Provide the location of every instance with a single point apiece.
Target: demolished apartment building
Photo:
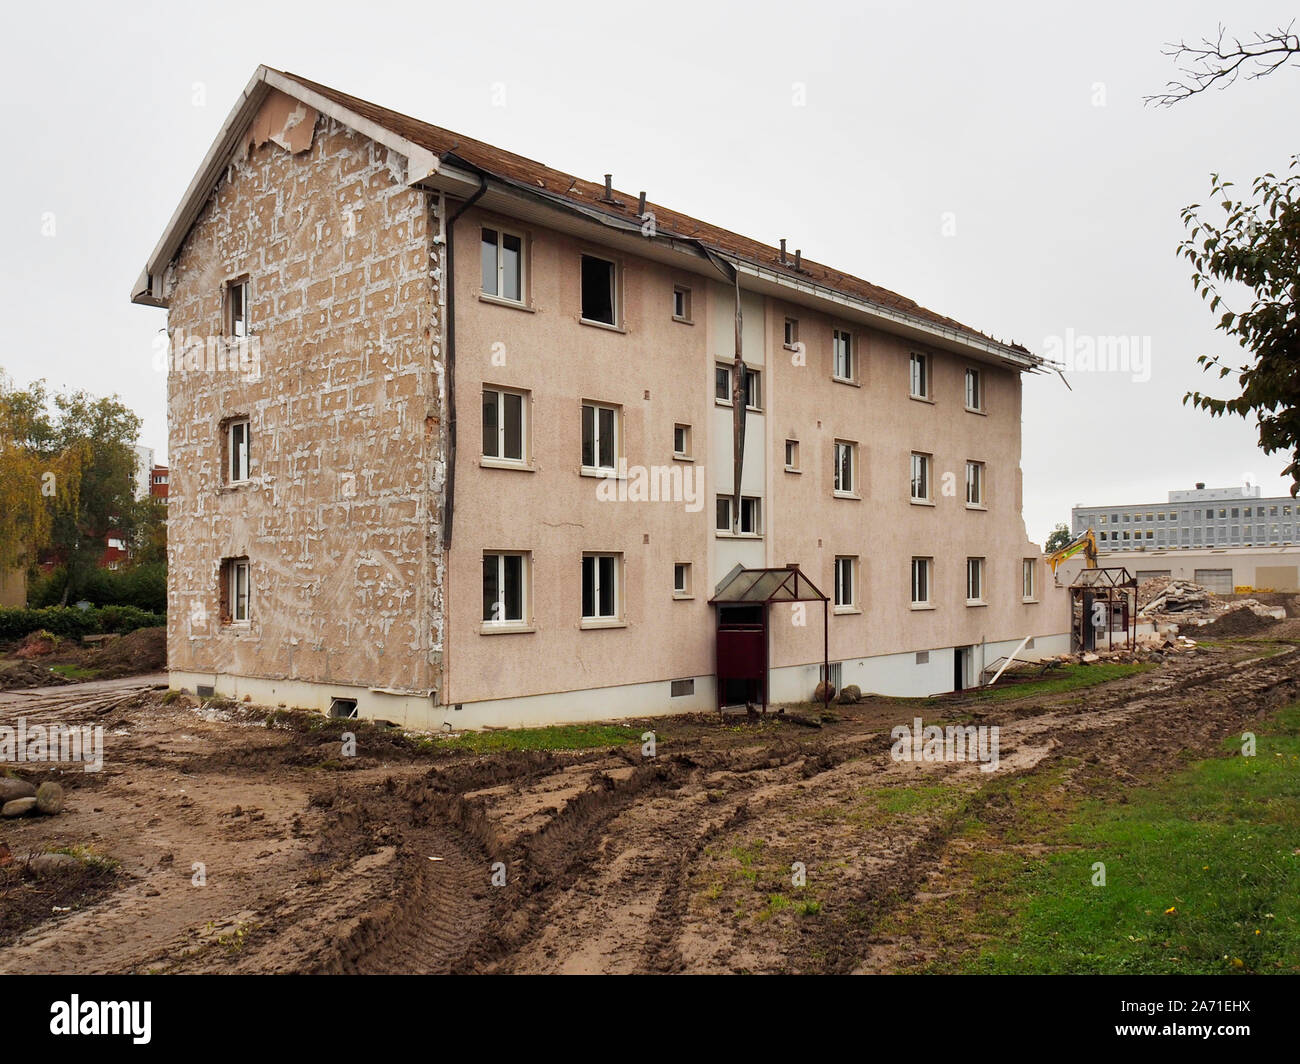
(427, 480)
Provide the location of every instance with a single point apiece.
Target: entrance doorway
(960, 668)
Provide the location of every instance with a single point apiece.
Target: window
(682, 580)
(598, 297)
(722, 378)
(236, 591)
(920, 384)
(681, 303)
(1028, 570)
(503, 265)
(750, 515)
(600, 587)
(845, 460)
(921, 581)
(792, 456)
(974, 483)
(722, 383)
(503, 588)
(974, 579)
(681, 441)
(237, 309)
(504, 435)
(237, 447)
(843, 348)
(791, 333)
(920, 477)
(974, 390)
(599, 436)
(753, 389)
(845, 583)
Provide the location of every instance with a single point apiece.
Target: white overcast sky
(1066, 213)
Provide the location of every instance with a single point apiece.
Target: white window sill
(737, 535)
(679, 596)
(235, 485)
(846, 495)
(597, 622)
(793, 469)
(502, 301)
(922, 502)
(921, 399)
(846, 380)
(511, 628)
(922, 605)
(1029, 601)
(976, 506)
(602, 325)
(721, 402)
(682, 321)
(840, 611)
(977, 410)
(682, 458)
(600, 472)
(976, 602)
(791, 347)
(506, 463)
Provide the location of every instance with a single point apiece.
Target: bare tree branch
(1218, 63)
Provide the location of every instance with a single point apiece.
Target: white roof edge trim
(420, 163)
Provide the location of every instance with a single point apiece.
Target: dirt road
(243, 844)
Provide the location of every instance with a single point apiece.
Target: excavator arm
(1087, 543)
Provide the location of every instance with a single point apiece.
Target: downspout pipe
(449, 496)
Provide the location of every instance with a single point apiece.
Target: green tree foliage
(1248, 255)
(1059, 538)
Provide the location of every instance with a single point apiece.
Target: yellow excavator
(1087, 542)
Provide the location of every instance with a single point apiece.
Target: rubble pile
(1191, 605)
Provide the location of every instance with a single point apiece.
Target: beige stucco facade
(358, 590)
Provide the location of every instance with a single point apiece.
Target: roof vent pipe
(783, 251)
(640, 206)
(1200, 485)
(798, 258)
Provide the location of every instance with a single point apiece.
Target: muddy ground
(36, 661)
(224, 840)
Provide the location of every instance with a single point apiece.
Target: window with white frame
(236, 310)
(920, 477)
(974, 389)
(599, 290)
(974, 483)
(599, 437)
(723, 376)
(753, 389)
(921, 569)
(1028, 578)
(505, 428)
(722, 382)
(238, 444)
(600, 587)
(681, 441)
(974, 579)
(682, 580)
(843, 349)
(846, 455)
(791, 456)
(920, 379)
(505, 592)
(236, 591)
(791, 333)
(503, 264)
(681, 303)
(750, 515)
(846, 582)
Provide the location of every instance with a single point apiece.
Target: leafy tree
(1252, 252)
(149, 541)
(1059, 537)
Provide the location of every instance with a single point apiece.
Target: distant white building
(143, 470)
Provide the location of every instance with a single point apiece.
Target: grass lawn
(556, 737)
(1202, 875)
(74, 672)
(1066, 678)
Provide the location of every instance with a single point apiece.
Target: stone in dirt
(11, 789)
(44, 864)
(49, 798)
(18, 807)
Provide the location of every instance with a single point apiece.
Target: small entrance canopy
(742, 644)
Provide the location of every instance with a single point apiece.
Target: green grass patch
(1066, 678)
(74, 672)
(556, 737)
(1202, 876)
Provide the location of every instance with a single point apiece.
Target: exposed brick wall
(347, 436)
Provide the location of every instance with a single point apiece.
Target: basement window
(235, 591)
(599, 303)
(679, 688)
(343, 708)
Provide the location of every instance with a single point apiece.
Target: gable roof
(428, 148)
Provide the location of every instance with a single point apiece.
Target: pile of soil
(37, 645)
(1235, 622)
(144, 650)
(18, 674)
